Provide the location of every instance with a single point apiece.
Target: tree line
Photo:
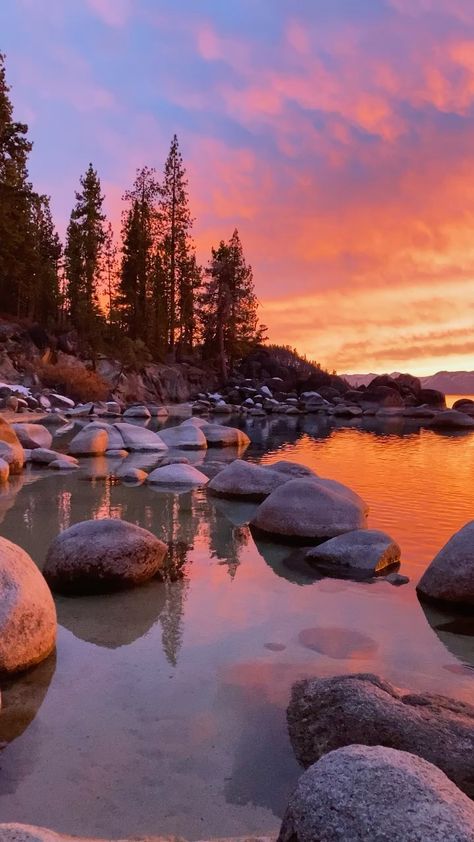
(144, 291)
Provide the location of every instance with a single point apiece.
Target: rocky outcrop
(450, 576)
(363, 552)
(100, 556)
(27, 612)
(307, 510)
(327, 713)
(364, 794)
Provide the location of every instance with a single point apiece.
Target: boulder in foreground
(100, 556)
(307, 510)
(140, 439)
(33, 435)
(363, 552)
(177, 473)
(327, 713)
(372, 794)
(450, 576)
(27, 612)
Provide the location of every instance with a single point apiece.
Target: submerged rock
(309, 509)
(33, 435)
(363, 551)
(364, 794)
(99, 556)
(27, 612)
(327, 713)
(450, 576)
(246, 481)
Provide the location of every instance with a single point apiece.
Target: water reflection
(197, 670)
(22, 697)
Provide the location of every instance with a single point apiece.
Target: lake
(163, 710)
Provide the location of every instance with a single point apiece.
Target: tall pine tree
(228, 306)
(83, 252)
(180, 273)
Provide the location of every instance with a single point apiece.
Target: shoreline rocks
(328, 713)
(246, 481)
(101, 556)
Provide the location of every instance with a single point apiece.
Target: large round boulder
(246, 481)
(89, 442)
(307, 510)
(137, 412)
(327, 713)
(100, 556)
(184, 437)
(376, 794)
(27, 612)
(139, 439)
(363, 552)
(33, 435)
(451, 419)
(450, 576)
(11, 450)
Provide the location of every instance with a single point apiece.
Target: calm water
(164, 708)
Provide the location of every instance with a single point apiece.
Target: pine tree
(229, 306)
(177, 258)
(44, 295)
(83, 252)
(109, 273)
(138, 257)
(15, 206)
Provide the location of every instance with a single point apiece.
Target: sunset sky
(337, 135)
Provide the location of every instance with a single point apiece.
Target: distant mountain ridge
(449, 382)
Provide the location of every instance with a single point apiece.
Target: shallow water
(163, 710)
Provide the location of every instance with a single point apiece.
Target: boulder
(27, 612)
(62, 464)
(308, 509)
(114, 439)
(100, 556)
(137, 412)
(12, 452)
(246, 481)
(463, 404)
(43, 456)
(139, 439)
(364, 552)
(33, 435)
(376, 794)
(89, 442)
(450, 576)
(61, 401)
(432, 398)
(4, 471)
(131, 474)
(327, 713)
(292, 469)
(177, 474)
(185, 437)
(451, 419)
(219, 436)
